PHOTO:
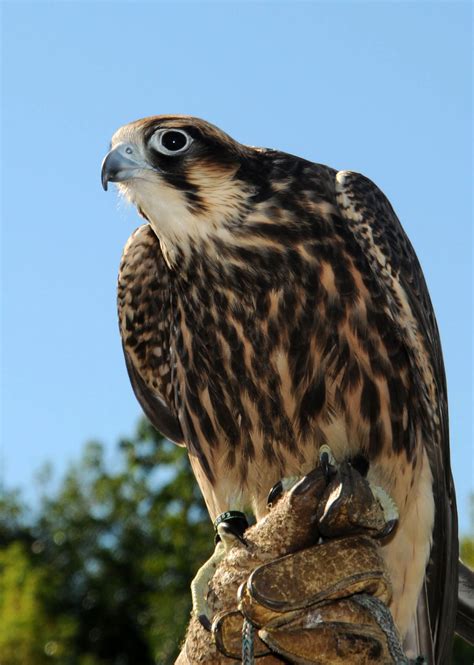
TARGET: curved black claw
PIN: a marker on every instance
(275, 493)
(205, 623)
(387, 530)
(327, 464)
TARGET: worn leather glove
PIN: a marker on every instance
(309, 582)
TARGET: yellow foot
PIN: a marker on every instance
(227, 537)
(390, 510)
(200, 583)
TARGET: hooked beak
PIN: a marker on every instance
(121, 163)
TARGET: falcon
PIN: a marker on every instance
(271, 306)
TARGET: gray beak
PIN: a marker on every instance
(121, 163)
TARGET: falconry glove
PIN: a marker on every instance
(309, 585)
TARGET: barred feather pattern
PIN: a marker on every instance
(275, 339)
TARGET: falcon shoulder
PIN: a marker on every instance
(145, 321)
(376, 229)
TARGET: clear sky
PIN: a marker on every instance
(380, 88)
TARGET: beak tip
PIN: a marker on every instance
(104, 175)
(118, 166)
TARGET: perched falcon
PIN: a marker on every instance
(271, 305)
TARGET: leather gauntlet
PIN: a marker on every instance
(309, 585)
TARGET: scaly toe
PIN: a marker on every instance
(230, 527)
(200, 583)
(389, 507)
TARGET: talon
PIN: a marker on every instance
(387, 530)
(281, 486)
(327, 462)
(228, 533)
(205, 623)
(275, 493)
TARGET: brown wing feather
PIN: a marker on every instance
(145, 321)
(393, 261)
(465, 615)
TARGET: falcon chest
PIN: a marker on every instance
(251, 349)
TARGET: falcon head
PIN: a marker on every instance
(184, 175)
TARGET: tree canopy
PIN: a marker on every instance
(101, 573)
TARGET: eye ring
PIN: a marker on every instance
(170, 141)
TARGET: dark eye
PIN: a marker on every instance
(171, 141)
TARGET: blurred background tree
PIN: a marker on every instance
(99, 572)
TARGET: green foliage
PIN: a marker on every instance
(116, 551)
(30, 633)
(100, 574)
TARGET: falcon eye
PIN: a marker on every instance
(171, 141)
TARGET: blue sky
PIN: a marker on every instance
(381, 88)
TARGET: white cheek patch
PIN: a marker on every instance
(165, 208)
